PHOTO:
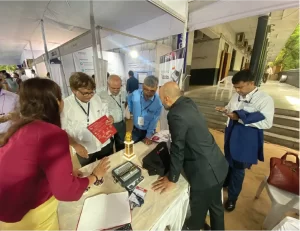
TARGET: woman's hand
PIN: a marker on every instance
(77, 173)
(102, 167)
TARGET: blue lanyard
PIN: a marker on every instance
(146, 106)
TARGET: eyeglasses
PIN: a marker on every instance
(149, 90)
(86, 93)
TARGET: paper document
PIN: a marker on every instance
(105, 211)
(162, 136)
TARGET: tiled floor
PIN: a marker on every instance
(285, 96)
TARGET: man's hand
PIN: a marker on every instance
(81, 151)
(233, 116)
(163, 185)
(77, 173)
(147, 141)
(221, 109)
(110, 120)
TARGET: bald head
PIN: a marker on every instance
(114, 83)
(171, 90)
(169, 93)
(114, 78)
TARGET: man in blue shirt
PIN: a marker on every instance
(132, 83)
(145, 105)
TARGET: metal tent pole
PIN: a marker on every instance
(103, 76)
(45, 48)
(94, 43)
(181, 82)
(33, 58)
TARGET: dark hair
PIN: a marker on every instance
(151, 81)
(243, 76)
(23, 72)
(93, 76)
(38, 101)
(3, 71)
(7, 75)
(48, 74)
(33, 71)
(108, 74)
(80, 79)
(130, 73)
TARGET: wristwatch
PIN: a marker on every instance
(93, 174)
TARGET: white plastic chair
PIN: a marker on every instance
(282, 202)
(225, 84)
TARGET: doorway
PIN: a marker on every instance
(242, 64)
(224, 64)
(232, 60)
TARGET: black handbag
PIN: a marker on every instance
(157, 162)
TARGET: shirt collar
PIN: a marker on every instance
(178, 101)
(109, 93)
(249, 95)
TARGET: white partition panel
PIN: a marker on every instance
(41, 69)
(68, 68)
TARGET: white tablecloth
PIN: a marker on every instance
(158, 211)
(288, 223)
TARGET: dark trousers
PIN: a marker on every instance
(105, 151)
(203, 201)
(234, 182)
(119, 137)
(138, 134)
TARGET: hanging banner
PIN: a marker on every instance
(83, 62)
(171, 66)
(179, 45)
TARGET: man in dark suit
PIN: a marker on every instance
(194, 149)
(132, 83)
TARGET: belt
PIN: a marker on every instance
(120, 122)
(134, 127)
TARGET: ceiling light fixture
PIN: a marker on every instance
(134, 54)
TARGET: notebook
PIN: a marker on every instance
(105, 211)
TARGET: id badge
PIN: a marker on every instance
(141, 121)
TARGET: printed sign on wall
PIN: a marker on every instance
(84, 62)
(171, 66)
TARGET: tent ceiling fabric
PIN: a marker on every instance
(223, 11)
(65, 20)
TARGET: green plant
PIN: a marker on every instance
(289, 55)
(8, 68)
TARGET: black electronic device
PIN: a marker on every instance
(127, 173)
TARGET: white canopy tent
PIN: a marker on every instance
(65, 20)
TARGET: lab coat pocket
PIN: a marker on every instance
(85, 135)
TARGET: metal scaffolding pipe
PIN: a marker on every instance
(94, 44)
(181, 82)
(33, 58)
(103, 75)
(127, 35)
(45, 48)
